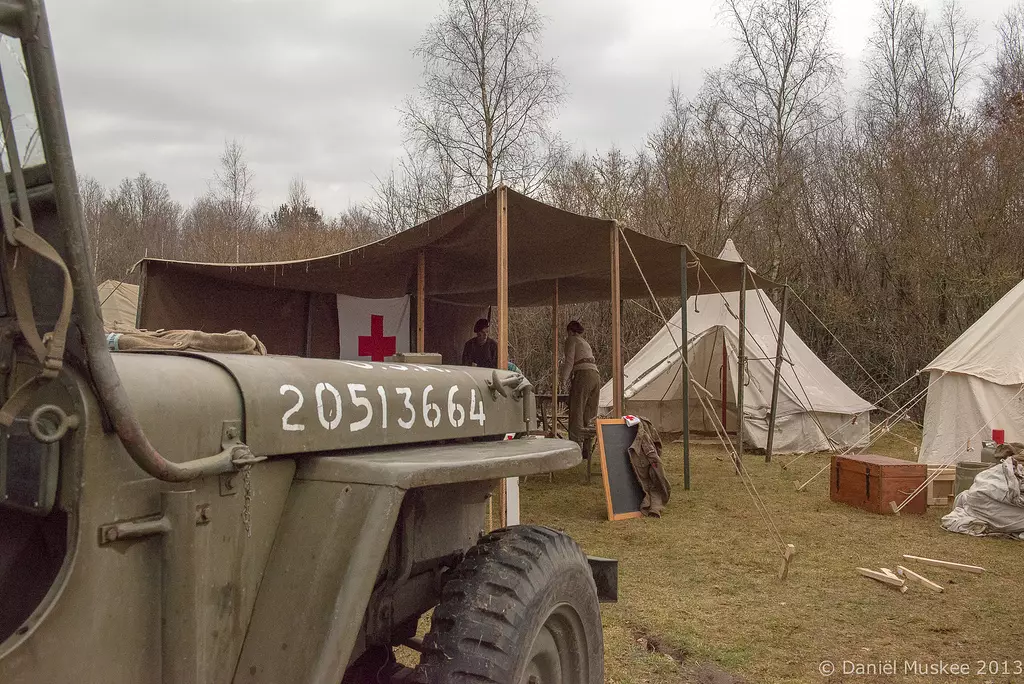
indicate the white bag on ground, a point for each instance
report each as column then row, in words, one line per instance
column 994, row 505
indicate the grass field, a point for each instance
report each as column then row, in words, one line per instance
column 700, row 601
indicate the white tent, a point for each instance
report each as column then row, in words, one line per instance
column 975, row 385
column 816, row 410
column 119, row 302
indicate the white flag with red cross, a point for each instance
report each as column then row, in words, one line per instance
column 373, row 329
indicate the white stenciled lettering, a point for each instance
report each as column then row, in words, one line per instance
column 329, row 422
column 383, row 407
column 407, row 393
column 430, row 409
column 285, row 424
column 361, row 402
column 456, row 413
column 359, row 364
column 476, row 410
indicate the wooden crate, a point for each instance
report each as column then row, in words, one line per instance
column 871, row 482
column 942, row 489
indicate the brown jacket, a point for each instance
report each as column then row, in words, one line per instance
column 645, row 457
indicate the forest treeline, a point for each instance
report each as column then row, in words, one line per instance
column 894, row 211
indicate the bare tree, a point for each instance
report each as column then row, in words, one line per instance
column 93, row 196
column 234, row 193
column 957, row 38
column 779, row 91
column 891, row 61
column 487, row 96
column 1003, row 99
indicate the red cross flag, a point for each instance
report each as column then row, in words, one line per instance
column 373, row 329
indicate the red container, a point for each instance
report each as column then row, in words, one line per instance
column 998, row 436
column 872, row 482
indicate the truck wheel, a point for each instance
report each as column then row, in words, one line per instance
column 521, row 608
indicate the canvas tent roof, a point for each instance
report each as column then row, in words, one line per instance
column 807, row 384
column 544, row 244
column 993, row 348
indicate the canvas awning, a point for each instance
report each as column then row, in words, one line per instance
column 544, row 244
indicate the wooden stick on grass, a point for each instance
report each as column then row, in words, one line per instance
column 911, row 575
column 945, row 564
column 883, row 578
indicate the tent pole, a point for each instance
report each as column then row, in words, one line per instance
column 616, row 324
column 421, row 303
column 554, row 362
column 741, row 361
column 778, row 373
column 725, row 385
column 684, row 357
column 502, row 267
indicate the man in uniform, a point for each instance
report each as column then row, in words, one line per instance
column 480, row 350
column 585, row 390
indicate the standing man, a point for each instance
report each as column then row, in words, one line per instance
column 585, row 390
column 480, row 350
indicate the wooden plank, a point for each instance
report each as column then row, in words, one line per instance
column 882, row 577
column 890, row 573
column 920, row 579
column 950, row 565
column 421, row 302
column 616, row 301
column 502, row 268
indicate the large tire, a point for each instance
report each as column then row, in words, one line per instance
column 521, row 608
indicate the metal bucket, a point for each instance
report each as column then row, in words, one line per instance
column 965, row 473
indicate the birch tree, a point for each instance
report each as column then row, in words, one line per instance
column 487, row 97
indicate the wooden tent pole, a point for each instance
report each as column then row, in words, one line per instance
column 741, row 361
column 502, row 268
column 616, row 324
column 421, row 302
column 772, row 418
column 684, row 359
column 554, row 362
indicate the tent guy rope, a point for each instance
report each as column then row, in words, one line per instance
column 723, row 436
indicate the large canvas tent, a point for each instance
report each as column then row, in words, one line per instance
column 448, row 263
column 816, row 410
column 975, row 385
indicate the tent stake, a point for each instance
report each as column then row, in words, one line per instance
column 684, row 358
column 778, row 372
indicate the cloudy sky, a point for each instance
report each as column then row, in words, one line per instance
column 310, row 87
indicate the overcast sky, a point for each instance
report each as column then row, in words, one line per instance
column 311, row 87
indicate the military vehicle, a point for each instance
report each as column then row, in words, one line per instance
column 210, row 518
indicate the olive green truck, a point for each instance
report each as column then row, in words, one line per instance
column 201, row 518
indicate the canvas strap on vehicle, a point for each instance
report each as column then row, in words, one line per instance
column 49, row 349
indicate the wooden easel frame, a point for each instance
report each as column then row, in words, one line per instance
column 604, row 471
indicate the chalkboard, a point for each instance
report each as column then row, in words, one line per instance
column 621, row 488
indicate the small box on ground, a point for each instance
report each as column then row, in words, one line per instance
column 873, row 482
column 941, row 488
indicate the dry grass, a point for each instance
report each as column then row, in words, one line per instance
column 701, row 582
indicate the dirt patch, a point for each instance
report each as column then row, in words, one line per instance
column 654, row 643
column 712, row 674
